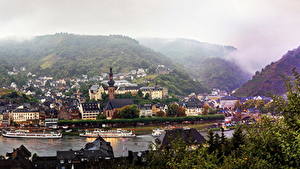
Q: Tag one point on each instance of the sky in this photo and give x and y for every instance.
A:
(261, 30)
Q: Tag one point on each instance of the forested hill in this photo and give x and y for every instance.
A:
(270, 80)
(67, 55)
(203, 61)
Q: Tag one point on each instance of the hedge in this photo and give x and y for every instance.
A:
(146, 120)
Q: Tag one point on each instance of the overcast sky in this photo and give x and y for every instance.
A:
(262, 30)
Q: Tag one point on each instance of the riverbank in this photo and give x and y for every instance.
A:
(144, 130)
(136, 122)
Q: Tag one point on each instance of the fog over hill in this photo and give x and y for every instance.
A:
(270, 80)
(211, 64)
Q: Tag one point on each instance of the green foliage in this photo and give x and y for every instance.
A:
(269, 143)
(16, 97)
(174, 110)
(100, 116)
(128, 112)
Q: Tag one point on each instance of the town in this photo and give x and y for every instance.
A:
(107, 95)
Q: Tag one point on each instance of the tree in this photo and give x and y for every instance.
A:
(160, 113)
(147, 96)
(237, 138)
(291, 110)
(205, 109)
(128, 112)
(174, 110)
(140, 94)
(100, 116)
(211, 141)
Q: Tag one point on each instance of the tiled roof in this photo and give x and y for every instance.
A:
(118, 103)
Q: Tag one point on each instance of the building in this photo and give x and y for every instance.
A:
(111, 107)
(228, 102)
(89, 111)
(51, 118)
(193, 107)
(19, 158)
(95, 92)
(1, 118)
(92, 153)
(146, 110)
(189, 136)
(133, 90)
(24, 115)
(111, 87)
(154, 92)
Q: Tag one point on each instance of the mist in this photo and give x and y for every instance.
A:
(261, 30)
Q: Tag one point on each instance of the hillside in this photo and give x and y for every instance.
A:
(68, 55)
(270, 80)
(64, 55)
(203, 61)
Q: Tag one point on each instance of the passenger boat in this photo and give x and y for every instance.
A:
(28, 134)
(157, 132)
(108, 133)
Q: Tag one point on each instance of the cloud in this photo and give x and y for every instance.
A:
(262, 30)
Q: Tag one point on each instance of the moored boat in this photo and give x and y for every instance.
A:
(157, 132)
(108, 133)
(28, 134)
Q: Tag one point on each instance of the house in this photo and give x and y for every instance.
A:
(111, 107)
(154, 92)
(189, 136)
(89, 111)
(193, 106)
(92, 153)
(146, 110)
(228, 102)
(95, 92)
(19, 158)
(51, 118)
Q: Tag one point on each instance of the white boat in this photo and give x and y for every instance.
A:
(27, 134)
(157, 132)
(108, 133)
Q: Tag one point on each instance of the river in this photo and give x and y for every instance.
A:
(48, 147)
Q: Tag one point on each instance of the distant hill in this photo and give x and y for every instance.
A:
(68, 55)
(270, 80)
(205, 62)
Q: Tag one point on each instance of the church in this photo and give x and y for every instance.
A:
(110, 110)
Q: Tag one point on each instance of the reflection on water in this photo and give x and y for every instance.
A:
(48, 147)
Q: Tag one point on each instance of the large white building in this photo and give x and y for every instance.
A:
(23, 115)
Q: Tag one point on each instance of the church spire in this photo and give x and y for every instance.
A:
(111, 81)
(111, 87)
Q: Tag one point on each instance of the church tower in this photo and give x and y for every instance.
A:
(111, 87)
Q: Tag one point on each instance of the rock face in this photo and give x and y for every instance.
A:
(271, 79)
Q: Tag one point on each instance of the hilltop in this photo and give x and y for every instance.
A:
(205, 62)
(65, 55)
(270, 80)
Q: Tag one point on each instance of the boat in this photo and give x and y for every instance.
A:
(157, 132)
(119, 133)
(28, 134)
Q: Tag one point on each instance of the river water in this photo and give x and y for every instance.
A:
(48, 147)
